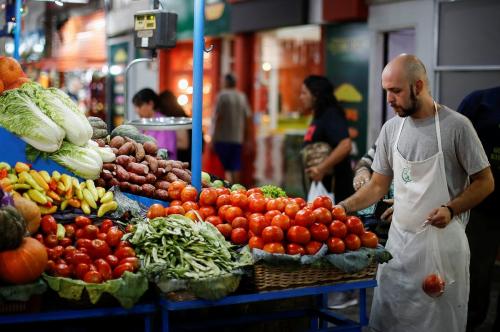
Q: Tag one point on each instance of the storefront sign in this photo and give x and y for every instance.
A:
(347, 60)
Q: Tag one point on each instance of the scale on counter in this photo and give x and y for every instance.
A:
(160, 124)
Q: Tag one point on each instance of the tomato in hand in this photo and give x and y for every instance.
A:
(319, 232)
(82, 221)
(208, 197)
(323, 201)
(313, 247)
(298, 234)
(274, 248)
(256, 242)
(272, 234)
(322, 215)
(338, 213)
(304, 218)
(355, 225)
(335, 245)
(282, 221)
(338, 229)
(48, 224)
(352, 242)
(369, 240)
(295, 249)
(239, 236)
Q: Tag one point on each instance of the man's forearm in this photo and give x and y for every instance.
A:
(367, 195)
(481, 186)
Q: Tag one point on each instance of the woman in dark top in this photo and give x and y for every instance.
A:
(328, 125)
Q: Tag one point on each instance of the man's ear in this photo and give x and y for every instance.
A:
(419, 86)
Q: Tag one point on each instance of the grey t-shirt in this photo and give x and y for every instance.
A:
(463, 153)
(229, 118)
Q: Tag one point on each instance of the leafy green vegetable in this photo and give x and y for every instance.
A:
(20, 115)
(84, 162)
(271, 191)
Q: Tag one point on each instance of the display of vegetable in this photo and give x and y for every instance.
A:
(29, 211)
(271, 191)
(133, 133)
(12, 228)
(82, 161)
(20, 115)
(175, 247)
(99, 127)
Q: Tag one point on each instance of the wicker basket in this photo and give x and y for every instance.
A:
(272, 277)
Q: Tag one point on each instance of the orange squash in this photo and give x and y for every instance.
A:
(24, 264)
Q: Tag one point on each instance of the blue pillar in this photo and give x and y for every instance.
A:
(17, 30)
(198, 49)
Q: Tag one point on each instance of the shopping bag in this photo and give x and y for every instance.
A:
(318, 189)
(438, 272)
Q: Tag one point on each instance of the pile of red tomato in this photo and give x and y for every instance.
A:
(87, 252)
(279, 225)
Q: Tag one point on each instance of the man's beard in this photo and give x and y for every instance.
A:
(405, 112)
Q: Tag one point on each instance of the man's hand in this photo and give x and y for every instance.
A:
(361, 178)
(439, 217)
(387, 215)
(316, 173)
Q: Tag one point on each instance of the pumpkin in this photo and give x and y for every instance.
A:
(29, 211)
(12, 228)
(24, 264)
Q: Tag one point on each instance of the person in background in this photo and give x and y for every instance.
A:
(169, 107)
(483, 231)
(229, 127)
(147, 105)
(329, 125)
(440, 172)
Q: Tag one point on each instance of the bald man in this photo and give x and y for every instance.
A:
(440, 171)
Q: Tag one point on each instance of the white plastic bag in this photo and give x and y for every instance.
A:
(318, 189)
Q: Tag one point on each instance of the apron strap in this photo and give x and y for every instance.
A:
(438, 128)
(399, 133)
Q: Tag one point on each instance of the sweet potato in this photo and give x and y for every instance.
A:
(109, 167)
(106, 175)
(123, 160)
(176, 163)
(182, 174)
(161, 194)
(139, 152)
(126, 149)
(100, 142)
(138, 179)
(124, 186)
(185, 164)
(121, 174)
(115, 151)
(139, 169)
(162, 185)
(148, 189)
(113, 182)
(150, 178)
(153, 163)
(100, 182)
(150, 148)
(160, 172)
(171, 177)
(134, 189)
(117, 142)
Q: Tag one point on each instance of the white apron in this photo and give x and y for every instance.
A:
(399, 304)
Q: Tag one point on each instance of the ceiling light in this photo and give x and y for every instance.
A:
(59, 3)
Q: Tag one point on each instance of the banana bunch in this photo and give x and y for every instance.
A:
(55, 191)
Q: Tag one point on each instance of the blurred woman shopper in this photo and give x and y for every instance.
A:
(326, 152)
(147, 105)
(328, 132)
(169, 107)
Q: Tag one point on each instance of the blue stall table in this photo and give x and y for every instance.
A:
(319, 317)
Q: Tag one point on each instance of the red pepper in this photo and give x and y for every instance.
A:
(53, 185)
(48, 205)
(3, 173)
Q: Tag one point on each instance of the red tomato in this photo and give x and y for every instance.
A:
(208, 197)
(122, 244)
(190, 205)
(82, 221)
(62, 270)
(124, 252)
(270, 215)
(207, 211)
(335, 245)
(92, 277)
(194, 215)
(295, 249)
(225, 229)
(313, 247)
(189, 193)
(48, 224)
(81, 269)
(298, 234)
(105, 225)
(221, 212)
(272, 234)
(175, 202)
(79, 257)
(120, 269)
(175, 189)
(65, 241)
(112, 260)
(79, 233)
(99, 249)
(114, 236)
(128, 229)
(338, 213)
(256, 223)
(240, 222)
(154, 211)
(50, 267)
(223, 191)
(254, 191)
(69, 251)
(355, 225)
(136, 263)
(323, 201)
(433, 285)
(222, 200)
(257, 203)
(300, 201)
(282, 221)
(291, 209)
(176, 209)
(233, 212)
(239, 199)
(103, 268)
(275, 204)
(352, 242)
(338, 229)
(69, 231)
(256, 242)
(39, 237)
(83, 243)
(90, 232)
(369, 240)
(274, 248)
(319, 232)
(51, 241)
(102, 236)
(239, 236)
(304, 218)
(214, 220)
(322, 215)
